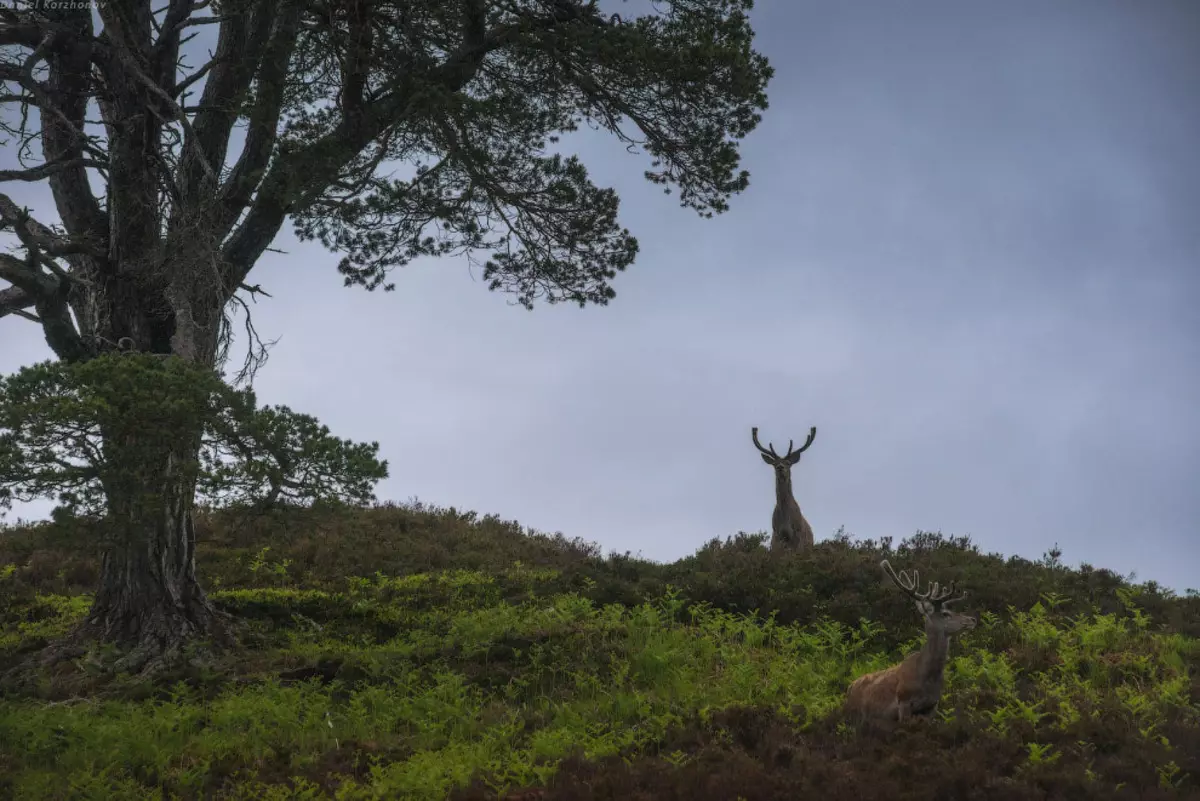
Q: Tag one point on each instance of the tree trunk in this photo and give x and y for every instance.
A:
(149, 602)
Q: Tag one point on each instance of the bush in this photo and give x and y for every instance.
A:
(417, 652)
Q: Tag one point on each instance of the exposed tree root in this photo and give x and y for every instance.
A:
(161, 639)
(158, 638)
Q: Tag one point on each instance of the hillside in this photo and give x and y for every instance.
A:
(406, 652)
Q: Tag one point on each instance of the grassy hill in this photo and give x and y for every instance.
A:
(421, 653)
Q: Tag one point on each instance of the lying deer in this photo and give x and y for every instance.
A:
(789, 529)
(914, 686)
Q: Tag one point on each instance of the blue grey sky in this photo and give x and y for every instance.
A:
(969, 254)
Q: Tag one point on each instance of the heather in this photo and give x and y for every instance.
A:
(417, 652)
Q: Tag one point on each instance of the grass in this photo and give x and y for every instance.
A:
(406, 652)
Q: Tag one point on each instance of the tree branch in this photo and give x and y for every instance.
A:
(15, 300)
(49, 296)
(128, 24)
(264, 118)
(43, 237)
(47, 293)
(36, 238)
(168, 38)
(63, 140)
(240, 42)
(23, 77)
(20, 28)
(286, 184)
(43, 171)
(21, 275)
(178, 114)
(356, 65)
(187, 82)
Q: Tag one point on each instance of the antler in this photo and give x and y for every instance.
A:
(770, 449)
(812, 434)
(904, 581)
(935, 595)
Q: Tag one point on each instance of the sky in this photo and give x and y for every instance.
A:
(969, 255)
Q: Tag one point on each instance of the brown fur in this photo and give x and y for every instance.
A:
(914, 686)
(789, 529)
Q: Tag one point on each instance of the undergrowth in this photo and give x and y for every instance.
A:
(418, 653)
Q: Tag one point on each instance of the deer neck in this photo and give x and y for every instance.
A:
(932, 661)
(783, 489)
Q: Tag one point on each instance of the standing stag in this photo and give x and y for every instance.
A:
(914, 686)
(789, 529)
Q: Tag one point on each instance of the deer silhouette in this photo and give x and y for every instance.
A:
(914, 686)
(789, 529)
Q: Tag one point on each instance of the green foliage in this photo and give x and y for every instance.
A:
(41, 619)
(680, 83)
(274, 455)
(71, 430)
(121, 422)
(507, 659)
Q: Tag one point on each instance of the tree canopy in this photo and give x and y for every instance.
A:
(55, 416)
(466, 99)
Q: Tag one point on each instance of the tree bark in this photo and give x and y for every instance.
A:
(149, 601)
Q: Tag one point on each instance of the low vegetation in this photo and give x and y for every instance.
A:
(406, 652)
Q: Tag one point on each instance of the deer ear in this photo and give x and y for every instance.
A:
(795, 457)
(767, 459)
(925, 608)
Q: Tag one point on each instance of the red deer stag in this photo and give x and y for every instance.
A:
(914, 686)
(789, 529)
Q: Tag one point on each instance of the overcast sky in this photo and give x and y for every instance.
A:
(969, 254)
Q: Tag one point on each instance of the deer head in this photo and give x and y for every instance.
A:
(782, 463)
(933, 604)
